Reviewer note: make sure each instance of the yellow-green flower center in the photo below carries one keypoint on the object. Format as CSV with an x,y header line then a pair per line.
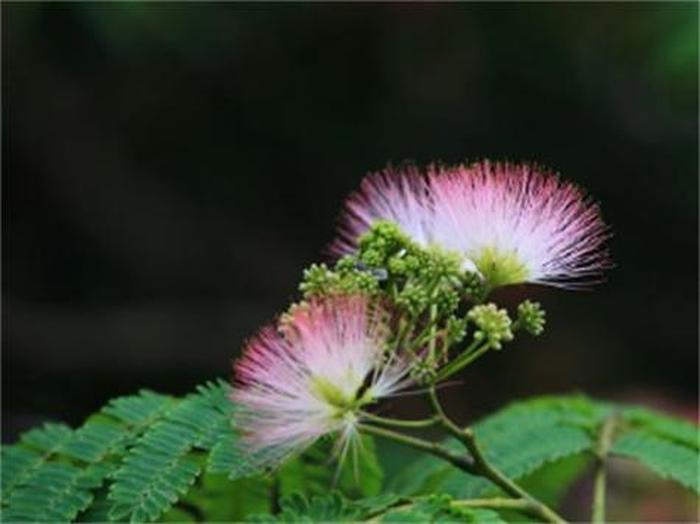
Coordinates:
x,y
343,399
500,268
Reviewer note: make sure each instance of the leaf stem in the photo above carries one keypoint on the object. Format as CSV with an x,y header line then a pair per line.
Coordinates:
x,y
605,436
483,467
433,448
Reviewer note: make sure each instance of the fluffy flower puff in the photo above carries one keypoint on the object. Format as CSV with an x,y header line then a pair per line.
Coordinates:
x,y
312,375
512,223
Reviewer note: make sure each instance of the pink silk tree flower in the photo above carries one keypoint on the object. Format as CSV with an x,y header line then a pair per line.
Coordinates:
x,y
312,377
512,223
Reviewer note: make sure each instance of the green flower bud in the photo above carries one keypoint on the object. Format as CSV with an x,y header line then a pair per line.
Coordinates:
x,y
346,263
397,266
456,329
531,317
413,298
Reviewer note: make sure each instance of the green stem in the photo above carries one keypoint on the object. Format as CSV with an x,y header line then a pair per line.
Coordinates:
x,y
605,436
433,448
483,468
493,503
470,355
496,503
404,330
429,331
446,422
422,423
424,336
433,329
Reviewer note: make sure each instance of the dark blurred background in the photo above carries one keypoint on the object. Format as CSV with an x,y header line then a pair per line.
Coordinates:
x,y
170,169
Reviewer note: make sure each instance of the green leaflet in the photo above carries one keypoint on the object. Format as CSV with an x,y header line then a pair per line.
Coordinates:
x,y
666,458
229,456
54,492
20,462
47,438
148,483
93,441
663,426
138,411
30,482
225,457
50,495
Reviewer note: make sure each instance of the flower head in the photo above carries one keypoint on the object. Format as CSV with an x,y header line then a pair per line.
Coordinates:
x,y
512,223
313,375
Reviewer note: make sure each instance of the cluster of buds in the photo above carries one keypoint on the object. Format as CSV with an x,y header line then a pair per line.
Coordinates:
x,y
493,325
344,279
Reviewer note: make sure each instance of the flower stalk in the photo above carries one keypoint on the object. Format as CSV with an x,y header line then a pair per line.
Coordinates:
x,y
470,355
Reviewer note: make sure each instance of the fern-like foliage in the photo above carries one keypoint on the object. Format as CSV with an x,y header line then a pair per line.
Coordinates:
x,y
166,460
148,456
51,474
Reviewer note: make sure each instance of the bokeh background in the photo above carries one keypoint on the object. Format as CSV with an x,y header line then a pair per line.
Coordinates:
x,y
170,169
